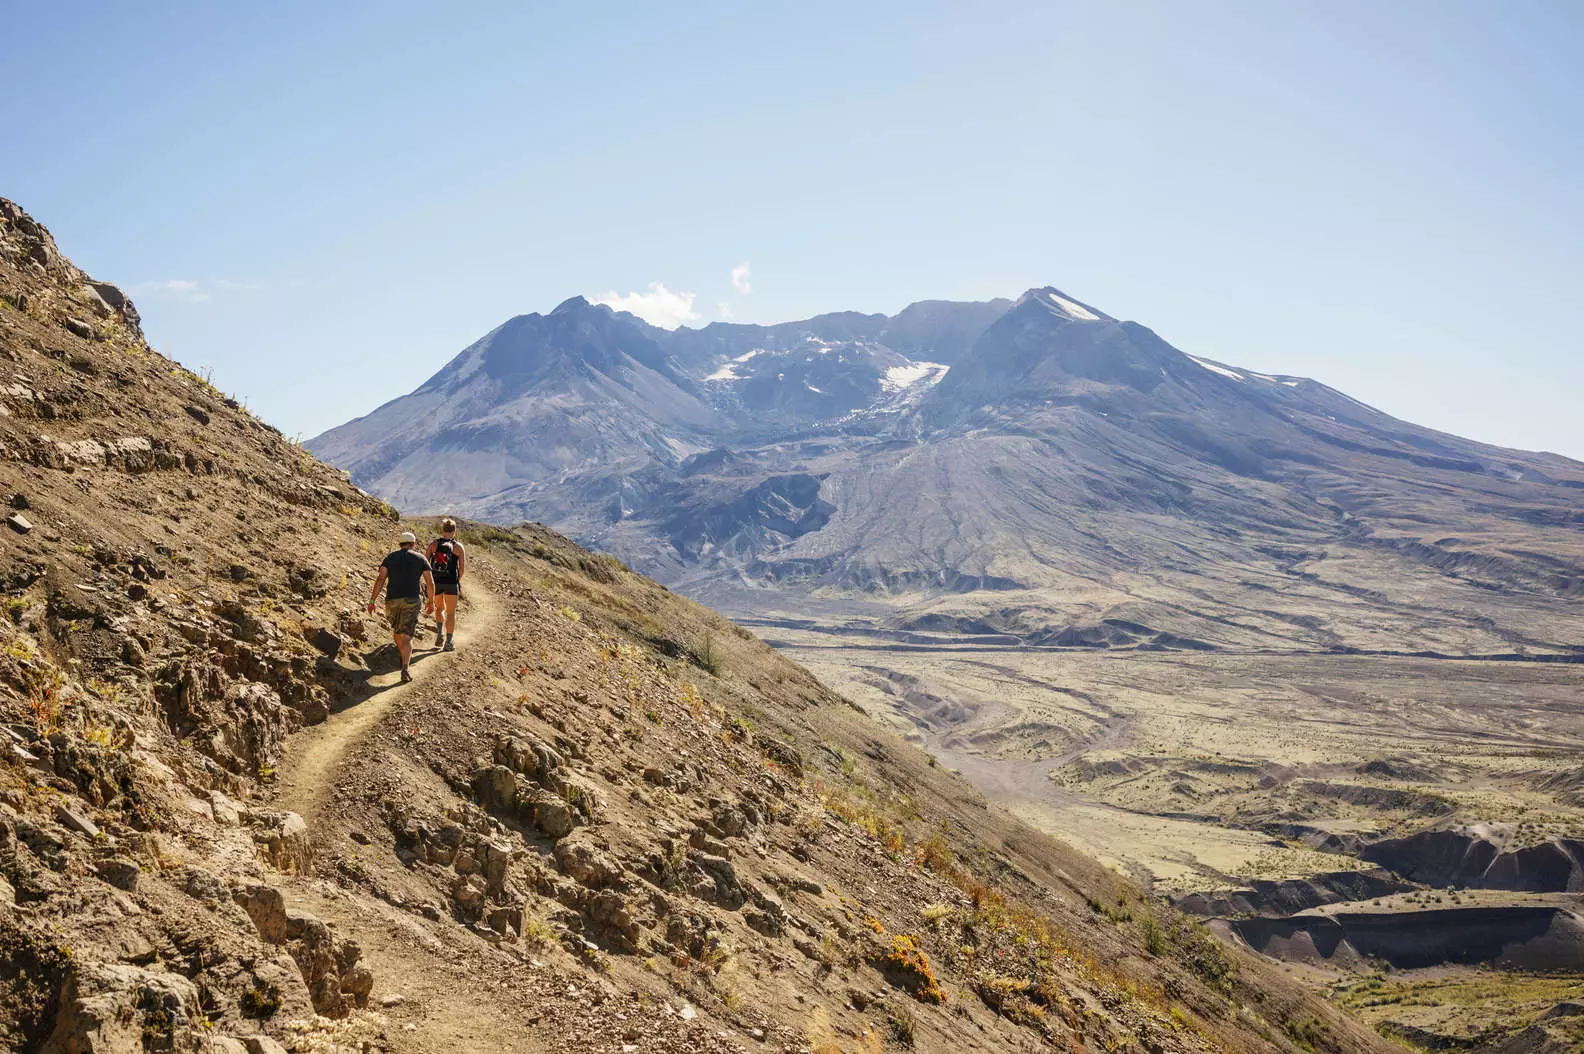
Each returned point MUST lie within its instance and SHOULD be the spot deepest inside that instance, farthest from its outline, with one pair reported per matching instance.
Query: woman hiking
(448, 560)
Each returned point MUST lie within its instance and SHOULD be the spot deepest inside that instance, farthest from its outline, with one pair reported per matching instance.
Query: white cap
(408, 536)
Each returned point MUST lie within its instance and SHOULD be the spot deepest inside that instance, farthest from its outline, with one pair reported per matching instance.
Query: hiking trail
(315, 753)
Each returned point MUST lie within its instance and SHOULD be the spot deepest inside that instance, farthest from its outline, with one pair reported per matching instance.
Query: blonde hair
(447, 526)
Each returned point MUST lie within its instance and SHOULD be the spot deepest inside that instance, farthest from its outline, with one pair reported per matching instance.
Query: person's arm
(379, 584)
(429, 591)
(461, 561)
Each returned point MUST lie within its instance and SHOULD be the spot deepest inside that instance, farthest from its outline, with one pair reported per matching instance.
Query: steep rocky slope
(1035, 472)
(611, 821)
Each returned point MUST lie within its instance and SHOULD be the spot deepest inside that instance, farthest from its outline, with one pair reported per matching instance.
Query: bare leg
(448, 603)
(404, 648)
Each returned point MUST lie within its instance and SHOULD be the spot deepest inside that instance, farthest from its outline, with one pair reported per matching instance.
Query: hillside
(1033, 472)
(611, 821)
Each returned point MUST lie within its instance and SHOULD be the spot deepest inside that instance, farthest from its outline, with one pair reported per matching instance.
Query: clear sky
(324, 202)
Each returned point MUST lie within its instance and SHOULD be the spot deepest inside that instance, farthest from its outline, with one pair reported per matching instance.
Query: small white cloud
(739, 278)
(174, 289)
(658, 307)
(725, 309)
(190, 290)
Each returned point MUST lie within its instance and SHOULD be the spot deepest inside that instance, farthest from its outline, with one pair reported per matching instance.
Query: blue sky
(324, 202)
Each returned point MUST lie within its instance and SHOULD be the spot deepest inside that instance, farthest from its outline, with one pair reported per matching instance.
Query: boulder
(115, 1008)
(283, 842)
(327, 642)
(553, 817)
(497, 859)
(267, 908)
(587, 864)
(468, 891)
(495, 786)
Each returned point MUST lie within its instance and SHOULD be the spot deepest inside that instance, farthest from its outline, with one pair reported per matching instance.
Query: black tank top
(445, 562)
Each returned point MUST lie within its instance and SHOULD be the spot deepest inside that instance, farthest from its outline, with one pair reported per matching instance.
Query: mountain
(1034, 471)
(610, 821)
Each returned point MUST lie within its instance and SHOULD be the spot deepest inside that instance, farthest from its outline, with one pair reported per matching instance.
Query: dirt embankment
(1482, 857)
(1514, 937)
(1264, 897)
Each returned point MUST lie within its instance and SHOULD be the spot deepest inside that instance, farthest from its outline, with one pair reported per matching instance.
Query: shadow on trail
(384, 664)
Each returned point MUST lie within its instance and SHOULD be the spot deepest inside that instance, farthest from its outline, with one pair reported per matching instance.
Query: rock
(327, 642)
(465, 863)
(507, 921)
(586, 864)
(201, 885)
(392, 999)
(283, 840)
(74, 820)
(119, 872)
(610, 909)
(229, 1045)
(19, 523)
(728, 890)
(78, 328)
(225, 810)
(110, 1008)
(764, 922)
(267, 908)
(468, 892)
(111, 295)
(7, 893)
(496, 787)
(497, 858)
(713, 846)
(197, 413)
(20, 501)
(262, 1045)
(552, 816)
(356, 983)
(325, 963)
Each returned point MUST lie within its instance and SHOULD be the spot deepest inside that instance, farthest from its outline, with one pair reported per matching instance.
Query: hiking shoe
(450, 645)
(406, 677)
(439, 633)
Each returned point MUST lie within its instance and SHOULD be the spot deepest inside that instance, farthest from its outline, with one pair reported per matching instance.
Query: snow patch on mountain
(1222, 370)
(1072, 310)
(898, 378)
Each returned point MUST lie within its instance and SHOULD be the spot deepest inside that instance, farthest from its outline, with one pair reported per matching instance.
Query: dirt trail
(445, 1007)
(308, 775)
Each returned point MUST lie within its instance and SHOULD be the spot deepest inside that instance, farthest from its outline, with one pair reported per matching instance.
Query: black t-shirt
(405, 568)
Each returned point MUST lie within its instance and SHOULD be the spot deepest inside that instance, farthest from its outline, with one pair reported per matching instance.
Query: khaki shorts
(402, 614)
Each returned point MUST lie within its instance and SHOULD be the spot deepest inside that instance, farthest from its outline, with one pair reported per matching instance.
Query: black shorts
(448, 589)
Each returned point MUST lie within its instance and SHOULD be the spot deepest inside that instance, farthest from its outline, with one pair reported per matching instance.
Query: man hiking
(411, 579)
(446, 557)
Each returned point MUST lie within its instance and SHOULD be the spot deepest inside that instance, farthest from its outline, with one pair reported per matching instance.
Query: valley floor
(1253, 784)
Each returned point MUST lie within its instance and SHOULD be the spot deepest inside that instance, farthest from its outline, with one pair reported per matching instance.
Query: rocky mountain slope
(1035, 472)
(612, 821)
